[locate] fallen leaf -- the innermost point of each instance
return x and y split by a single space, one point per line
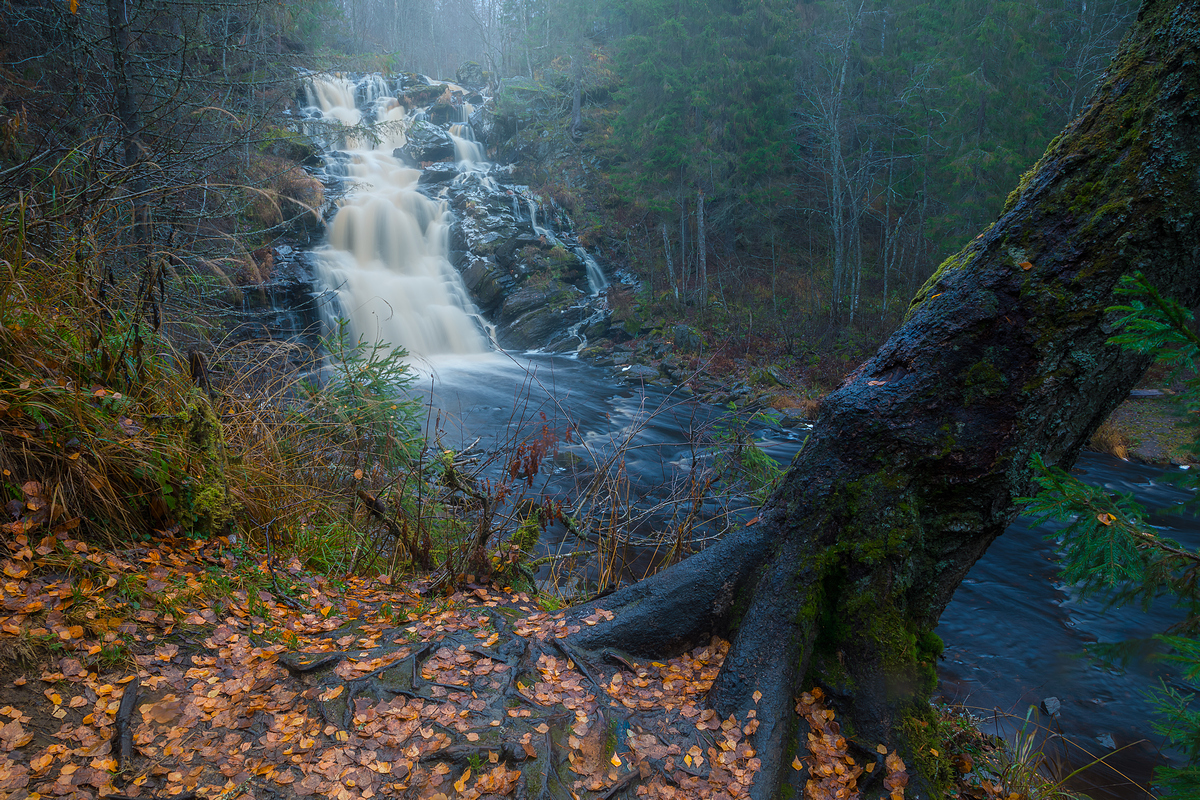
460 785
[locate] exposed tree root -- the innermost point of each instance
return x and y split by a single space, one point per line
679 608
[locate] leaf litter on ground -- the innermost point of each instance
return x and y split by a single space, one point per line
350 689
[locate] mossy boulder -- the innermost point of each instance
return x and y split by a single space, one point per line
471 75
423 95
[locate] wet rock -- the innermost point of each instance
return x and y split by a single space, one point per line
527 299
487 284
404 158
435 174
448 108
796 418
638 372
482 122
597 329
507 253
420 96
544 327
428 142
1051 706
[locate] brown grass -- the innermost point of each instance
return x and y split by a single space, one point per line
1111 439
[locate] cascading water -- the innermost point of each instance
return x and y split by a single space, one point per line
386 256
467 152
595 276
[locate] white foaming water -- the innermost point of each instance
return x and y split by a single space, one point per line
386 256
597 283
467 152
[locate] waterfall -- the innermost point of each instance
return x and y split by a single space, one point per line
386 256
595 276
597 283
467 152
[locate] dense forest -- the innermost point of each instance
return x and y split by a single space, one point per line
224 541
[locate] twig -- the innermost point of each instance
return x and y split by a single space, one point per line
122 729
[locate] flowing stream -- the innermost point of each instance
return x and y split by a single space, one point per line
1014 634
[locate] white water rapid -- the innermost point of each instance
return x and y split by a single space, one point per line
386 256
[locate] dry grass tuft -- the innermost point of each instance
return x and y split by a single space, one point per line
1111 439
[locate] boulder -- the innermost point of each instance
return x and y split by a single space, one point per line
524 300
404 158
471 75
638 372
687 339
428 142
542 327
422 96
482 122
436 174
485 281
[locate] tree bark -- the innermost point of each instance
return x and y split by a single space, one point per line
701 249
912 468
670 264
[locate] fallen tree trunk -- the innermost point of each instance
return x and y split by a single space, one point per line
912 468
